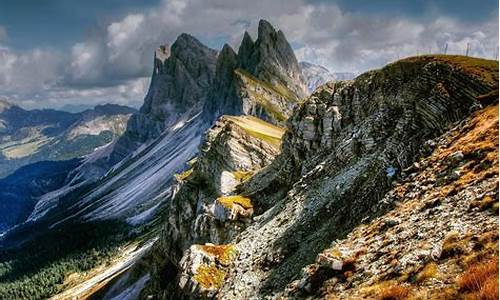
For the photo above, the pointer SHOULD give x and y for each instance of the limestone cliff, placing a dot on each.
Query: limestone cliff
(206, 207)
(343, 152)
(182, 76)
(263, 79)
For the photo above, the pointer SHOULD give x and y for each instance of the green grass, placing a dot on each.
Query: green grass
(278, 88)
(184, 175)
(241, 176)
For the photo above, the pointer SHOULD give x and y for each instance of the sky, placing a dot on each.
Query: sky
(68, 53)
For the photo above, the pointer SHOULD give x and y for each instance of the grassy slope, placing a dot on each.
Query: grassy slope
(483, 69)
(259, 129)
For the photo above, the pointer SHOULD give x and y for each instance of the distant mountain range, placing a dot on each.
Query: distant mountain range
(316, 75)
(28, 136)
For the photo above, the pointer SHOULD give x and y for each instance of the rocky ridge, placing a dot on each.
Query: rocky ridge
(206, 207)
(263, 79)
(443, 221)
(344, 148)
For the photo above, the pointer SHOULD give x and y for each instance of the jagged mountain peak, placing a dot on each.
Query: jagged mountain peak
(227, 61)
(185, 40)
(263, 80)
(274, 57)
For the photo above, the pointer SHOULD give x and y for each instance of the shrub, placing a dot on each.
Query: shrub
(481, 280)
(394, 292)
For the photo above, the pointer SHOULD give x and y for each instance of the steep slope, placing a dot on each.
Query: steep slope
(182, 76)
(206, 206)
(343, 150)
(127, 177)
(263, 79)
(118, 192)
(30, 136)
(316, 75)
(19, 191)
(444, 220)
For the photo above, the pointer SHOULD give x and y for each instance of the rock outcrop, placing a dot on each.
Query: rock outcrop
(344, 149)
(206, 208)
(182, 76)
(263, 79)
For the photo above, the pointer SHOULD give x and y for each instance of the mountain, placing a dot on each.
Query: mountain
(263, 79)
(393, 155)
(19, 191)
(166, 132)
(28, 136)
(232, 183)
(119, 192)
(316, 75)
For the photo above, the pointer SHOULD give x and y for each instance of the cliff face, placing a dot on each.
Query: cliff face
(182, 76)
(206, 206)
(344, 149)
(263, 79)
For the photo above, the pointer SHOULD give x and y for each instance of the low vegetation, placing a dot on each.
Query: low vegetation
(483, 69)
(184, 175)
(259, 129)
(241, 176)
(222, 253)
(39, 269)
(229, 201)
(393, 292)
(480, 281)
(210, 276)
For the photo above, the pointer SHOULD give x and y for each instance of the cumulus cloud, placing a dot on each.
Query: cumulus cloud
(112, 62)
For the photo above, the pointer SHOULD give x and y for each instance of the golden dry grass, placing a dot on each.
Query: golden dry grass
(259, 129)
(483, 69)
(228, 201)
(223, 253)
(393, 292)
(209, 276)
(481, 280)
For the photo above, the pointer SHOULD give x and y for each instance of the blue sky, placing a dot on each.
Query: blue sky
(59, 52)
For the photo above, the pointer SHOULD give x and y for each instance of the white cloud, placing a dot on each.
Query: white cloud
(111, 63)
(28, 72)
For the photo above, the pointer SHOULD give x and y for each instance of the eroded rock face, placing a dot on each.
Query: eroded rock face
(263, 79)
(206, 207)
(343, 148)
(182, 76)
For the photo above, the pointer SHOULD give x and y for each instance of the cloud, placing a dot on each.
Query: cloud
(115, 59)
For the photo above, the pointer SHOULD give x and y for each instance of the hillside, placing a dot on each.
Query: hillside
(48, 135)
(385, 143)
